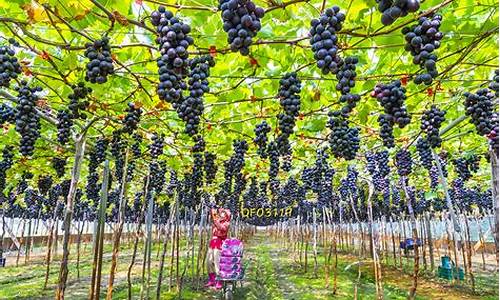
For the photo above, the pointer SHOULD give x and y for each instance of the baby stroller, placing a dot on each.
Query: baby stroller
(231, 269)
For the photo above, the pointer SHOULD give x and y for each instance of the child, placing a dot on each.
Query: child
(221, 218)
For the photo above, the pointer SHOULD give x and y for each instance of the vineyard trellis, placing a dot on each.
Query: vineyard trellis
(231, 98)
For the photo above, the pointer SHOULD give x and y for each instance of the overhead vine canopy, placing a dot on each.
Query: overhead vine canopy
(52, 46)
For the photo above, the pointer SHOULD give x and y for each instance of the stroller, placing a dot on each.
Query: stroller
(231, 269)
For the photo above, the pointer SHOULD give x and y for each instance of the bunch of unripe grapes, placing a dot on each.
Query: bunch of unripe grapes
(421, 41)
(425, 153)
(431, 122)
(132, 118)
(261, 130)
(391, 9)
(392, 98)
(210, 167)
(156, 147)
(174, 40)
(241, 22)
(323, 39)
(27, 119)
(64, 124)
(344, 140)
(80, 92)
(9, 65)
(404, 162)
(101, 62)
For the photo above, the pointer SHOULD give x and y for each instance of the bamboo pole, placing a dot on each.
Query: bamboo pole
(414, 230)
(75, 176)
(119, 228)
(95, 282)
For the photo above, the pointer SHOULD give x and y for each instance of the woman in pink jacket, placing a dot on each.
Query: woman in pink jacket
(221, 219)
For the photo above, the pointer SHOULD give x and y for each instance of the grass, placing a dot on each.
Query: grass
(272, 273)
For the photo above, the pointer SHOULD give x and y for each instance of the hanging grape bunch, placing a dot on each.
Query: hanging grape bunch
(261, 131)
(392, 98)
(421, 41)
(210, 167)
(44, 184)
(136, 146)
(101, 62)
(479, 106)
(64, 124)
(27, 119)
(274, 162)
(344, 140)
(156, 148)
(431, 122)
(403, 162)
(80, 92)
(174, 40)
(289, 94)
(346, 77)
(5, 164)
(59, 165)
(462, 168)
(425, 153)
(493, 85)
(241, 22)
(9, 66)
(191, 108)
(323, 40)
(199, 144)
(132, 118)
(7, 114)
(392, 10)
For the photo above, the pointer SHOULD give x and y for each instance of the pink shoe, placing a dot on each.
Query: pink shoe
(211, 280)
(218, 285)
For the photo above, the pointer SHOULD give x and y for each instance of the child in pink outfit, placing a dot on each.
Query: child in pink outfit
(221, 219)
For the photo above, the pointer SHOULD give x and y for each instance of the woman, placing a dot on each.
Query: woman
(221, 218)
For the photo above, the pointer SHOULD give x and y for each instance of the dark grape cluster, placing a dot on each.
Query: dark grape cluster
(64, 124)
(377, 164)
(7, 114)
(27, 119)
(392, 10)
(100, 63)
(199, 144)
(404, 162)
(493, 85)
(274, 162)
(462, 168)
(289, 95)
(210, 167)
(392, 97)
(59, 165)
(174, 40)
(286, 162)
(344, 140)
(431, 122)
(5, 164)
(9, 65)
(425, 153)
(191, 108)
(156, 148)
(80, 92)
(261, 131)
(241, 22)
(136, 146)
(323, 40)
(132, 118)
(44, 184)
(479, 106)
(346, 77)
(421, 40)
